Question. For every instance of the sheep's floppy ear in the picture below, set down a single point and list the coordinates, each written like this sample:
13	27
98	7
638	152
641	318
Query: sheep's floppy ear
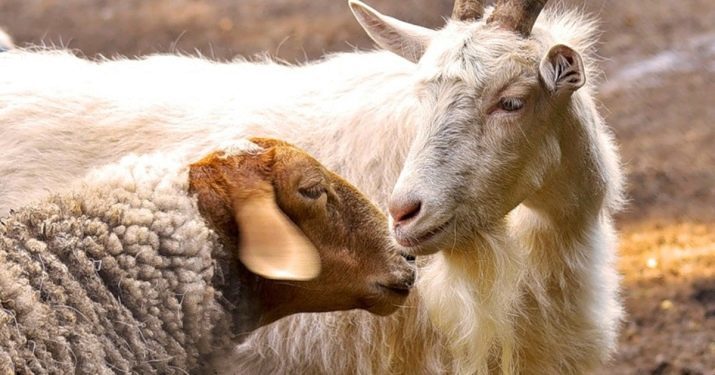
402	38
562	70
271	245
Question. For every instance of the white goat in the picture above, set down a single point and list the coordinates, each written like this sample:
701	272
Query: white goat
508	168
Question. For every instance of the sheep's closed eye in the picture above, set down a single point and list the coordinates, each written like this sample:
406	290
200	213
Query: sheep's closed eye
312	192
511	104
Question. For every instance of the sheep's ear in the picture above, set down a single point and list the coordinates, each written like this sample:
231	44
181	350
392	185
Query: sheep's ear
271	245
402	38
562	70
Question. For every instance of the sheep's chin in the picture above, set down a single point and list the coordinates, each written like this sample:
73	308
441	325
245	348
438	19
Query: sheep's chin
383	301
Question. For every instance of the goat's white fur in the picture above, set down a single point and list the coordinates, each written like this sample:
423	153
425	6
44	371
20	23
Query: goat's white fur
535	293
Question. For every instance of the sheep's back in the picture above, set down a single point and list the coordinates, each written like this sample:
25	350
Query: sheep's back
112	281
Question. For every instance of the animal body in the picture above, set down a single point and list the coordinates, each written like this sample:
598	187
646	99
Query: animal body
482	139
157	266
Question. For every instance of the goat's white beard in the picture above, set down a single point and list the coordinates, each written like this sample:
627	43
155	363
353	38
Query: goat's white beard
471	296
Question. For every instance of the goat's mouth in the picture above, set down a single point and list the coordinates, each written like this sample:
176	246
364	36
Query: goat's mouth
421	244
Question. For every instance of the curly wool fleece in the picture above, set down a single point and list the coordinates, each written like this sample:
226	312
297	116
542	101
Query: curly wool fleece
118	278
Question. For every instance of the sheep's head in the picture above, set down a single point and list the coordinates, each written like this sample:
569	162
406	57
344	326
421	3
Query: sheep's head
494	94
314	242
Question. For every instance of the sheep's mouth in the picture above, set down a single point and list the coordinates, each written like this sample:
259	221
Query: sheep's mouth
386	298
397	289
418	242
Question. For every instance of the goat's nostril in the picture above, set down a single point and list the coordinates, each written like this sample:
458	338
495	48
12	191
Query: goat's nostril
404	211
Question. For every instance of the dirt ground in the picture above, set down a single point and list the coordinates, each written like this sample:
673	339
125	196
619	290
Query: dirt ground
657	94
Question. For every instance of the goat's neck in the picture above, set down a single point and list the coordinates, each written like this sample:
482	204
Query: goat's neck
565	232
567	207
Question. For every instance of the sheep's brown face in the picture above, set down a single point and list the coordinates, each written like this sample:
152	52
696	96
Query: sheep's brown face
359	264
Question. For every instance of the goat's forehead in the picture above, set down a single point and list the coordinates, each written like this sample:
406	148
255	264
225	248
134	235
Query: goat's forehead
475	53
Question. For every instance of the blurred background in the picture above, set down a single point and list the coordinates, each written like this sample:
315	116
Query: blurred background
657	93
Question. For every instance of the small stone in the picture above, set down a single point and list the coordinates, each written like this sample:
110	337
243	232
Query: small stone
666	304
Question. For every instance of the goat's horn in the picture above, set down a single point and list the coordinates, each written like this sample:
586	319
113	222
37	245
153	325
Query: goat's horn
468	10
517	15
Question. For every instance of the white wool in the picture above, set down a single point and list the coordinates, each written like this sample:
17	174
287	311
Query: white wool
132	260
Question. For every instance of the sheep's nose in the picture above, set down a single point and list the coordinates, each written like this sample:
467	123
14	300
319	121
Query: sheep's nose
410	279
404	211
404	283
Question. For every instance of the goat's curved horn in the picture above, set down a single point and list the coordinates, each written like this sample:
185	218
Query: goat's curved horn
517	15
468	10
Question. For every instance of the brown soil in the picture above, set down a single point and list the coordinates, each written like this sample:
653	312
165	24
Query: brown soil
663	116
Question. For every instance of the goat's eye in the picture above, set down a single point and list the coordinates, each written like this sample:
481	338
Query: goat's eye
313	192
511	104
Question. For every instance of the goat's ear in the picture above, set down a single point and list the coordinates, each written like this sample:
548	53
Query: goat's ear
562	70
271	245
402	38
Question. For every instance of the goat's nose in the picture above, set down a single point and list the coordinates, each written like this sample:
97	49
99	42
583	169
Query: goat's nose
404	211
